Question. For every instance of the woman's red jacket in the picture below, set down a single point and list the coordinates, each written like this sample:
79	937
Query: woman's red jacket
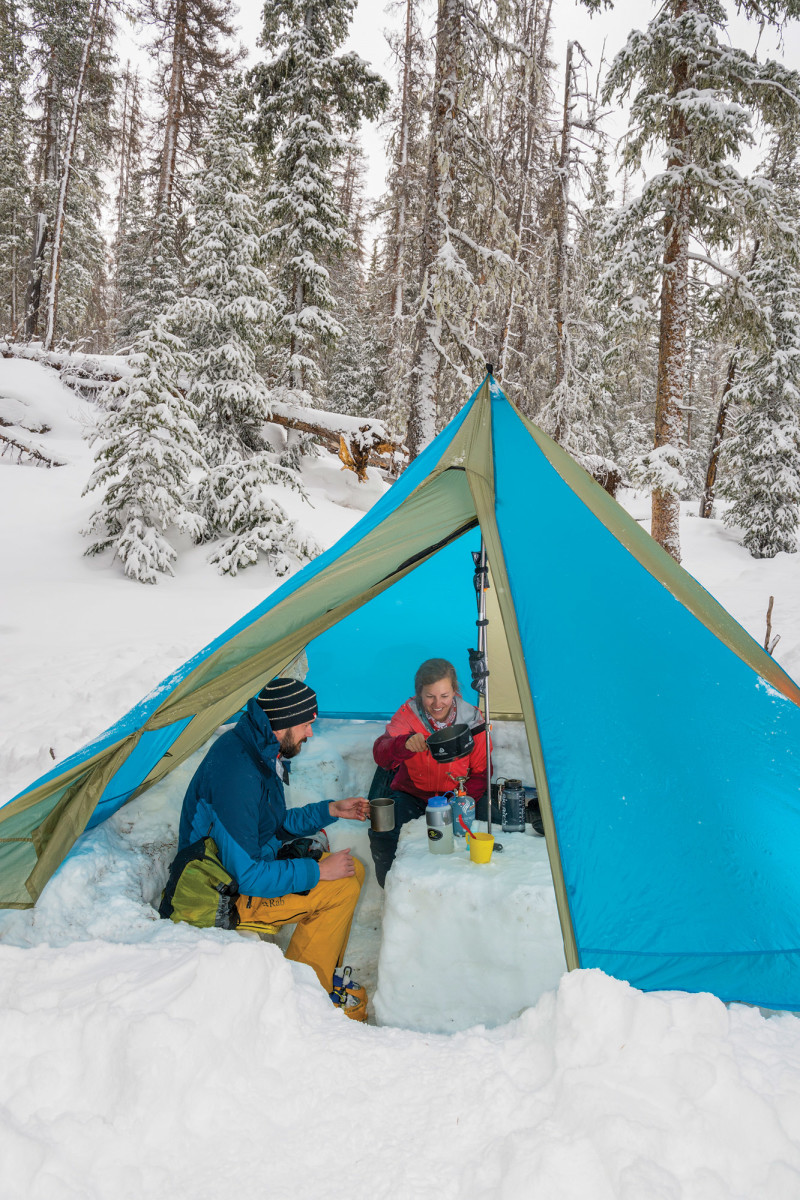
419	774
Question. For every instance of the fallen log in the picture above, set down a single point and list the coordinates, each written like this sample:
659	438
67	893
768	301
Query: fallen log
357	442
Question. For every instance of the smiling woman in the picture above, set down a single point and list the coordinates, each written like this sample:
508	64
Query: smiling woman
404	754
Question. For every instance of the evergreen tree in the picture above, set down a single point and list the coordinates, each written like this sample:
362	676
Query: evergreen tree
14	152
524	345
762	458
129	248
135	264
301	140
193	54
396	276
467	238
73	88
577	411
355	366
227	314
696	100
149	444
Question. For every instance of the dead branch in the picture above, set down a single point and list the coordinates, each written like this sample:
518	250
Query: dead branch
12	446
769	646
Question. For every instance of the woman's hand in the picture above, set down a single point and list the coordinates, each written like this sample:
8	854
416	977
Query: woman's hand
416	743
354	808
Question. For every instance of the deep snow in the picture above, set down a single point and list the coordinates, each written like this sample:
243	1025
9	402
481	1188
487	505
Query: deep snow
139	1056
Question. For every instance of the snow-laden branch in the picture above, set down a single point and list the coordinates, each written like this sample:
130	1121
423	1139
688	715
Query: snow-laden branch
715	266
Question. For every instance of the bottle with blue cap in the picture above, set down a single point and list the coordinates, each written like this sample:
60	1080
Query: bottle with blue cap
439	818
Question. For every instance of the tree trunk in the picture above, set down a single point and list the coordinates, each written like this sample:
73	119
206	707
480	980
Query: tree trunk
536	39
66	174
172	121
562	231
665	526
707	499
401	216
426	361
33	291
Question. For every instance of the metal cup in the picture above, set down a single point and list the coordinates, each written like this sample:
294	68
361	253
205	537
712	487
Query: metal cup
381	814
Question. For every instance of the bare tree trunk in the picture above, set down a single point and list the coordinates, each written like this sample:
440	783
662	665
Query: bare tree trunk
426	361
172	122
562	230
665	526
671	363
126	124
707	499
537	39
399	232
66	174
33	291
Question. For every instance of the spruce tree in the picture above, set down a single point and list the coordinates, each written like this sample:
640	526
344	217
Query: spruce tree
227	314
762	459
301	139
14	156
149	444
697	100
193	52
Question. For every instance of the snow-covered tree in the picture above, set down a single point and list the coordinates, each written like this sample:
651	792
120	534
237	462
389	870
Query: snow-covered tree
301	139
14	152
193	52
577	410
149	443
355	367
697	101
467	237
762	459
227	315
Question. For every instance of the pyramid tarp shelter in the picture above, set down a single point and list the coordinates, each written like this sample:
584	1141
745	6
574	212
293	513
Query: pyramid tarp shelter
664	741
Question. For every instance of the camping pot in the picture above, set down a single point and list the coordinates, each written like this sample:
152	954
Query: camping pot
381	814
452	742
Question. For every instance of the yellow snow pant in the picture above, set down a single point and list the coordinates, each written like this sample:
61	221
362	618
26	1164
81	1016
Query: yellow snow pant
323	920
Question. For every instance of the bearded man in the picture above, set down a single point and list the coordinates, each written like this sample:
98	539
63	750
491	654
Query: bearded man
237	798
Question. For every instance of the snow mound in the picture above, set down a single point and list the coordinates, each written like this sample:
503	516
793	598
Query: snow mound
38	411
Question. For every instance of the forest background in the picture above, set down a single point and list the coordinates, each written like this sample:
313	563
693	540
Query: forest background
619	238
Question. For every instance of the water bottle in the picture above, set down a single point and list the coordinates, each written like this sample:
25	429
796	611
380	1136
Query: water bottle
463	806
512	806
439	818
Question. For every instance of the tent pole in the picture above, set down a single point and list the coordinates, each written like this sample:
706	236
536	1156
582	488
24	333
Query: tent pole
483	646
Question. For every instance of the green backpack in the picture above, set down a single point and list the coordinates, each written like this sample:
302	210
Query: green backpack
199	889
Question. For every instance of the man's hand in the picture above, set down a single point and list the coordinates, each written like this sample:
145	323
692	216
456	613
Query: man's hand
337	866
416	743
354	808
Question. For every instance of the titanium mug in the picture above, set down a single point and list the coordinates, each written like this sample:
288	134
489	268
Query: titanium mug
381	814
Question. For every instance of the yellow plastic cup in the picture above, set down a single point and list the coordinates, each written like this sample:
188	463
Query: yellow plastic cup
480	847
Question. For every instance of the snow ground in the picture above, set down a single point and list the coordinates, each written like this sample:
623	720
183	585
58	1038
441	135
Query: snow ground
139	1055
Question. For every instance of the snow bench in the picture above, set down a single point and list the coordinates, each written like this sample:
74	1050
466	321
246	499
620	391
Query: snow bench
466	944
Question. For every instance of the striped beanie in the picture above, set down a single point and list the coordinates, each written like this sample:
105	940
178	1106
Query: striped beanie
287	702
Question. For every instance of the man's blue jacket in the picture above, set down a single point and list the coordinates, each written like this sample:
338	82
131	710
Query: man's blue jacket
236	796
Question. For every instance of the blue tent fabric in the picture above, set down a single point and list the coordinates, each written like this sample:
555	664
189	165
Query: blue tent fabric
668	753
671	764
431	613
